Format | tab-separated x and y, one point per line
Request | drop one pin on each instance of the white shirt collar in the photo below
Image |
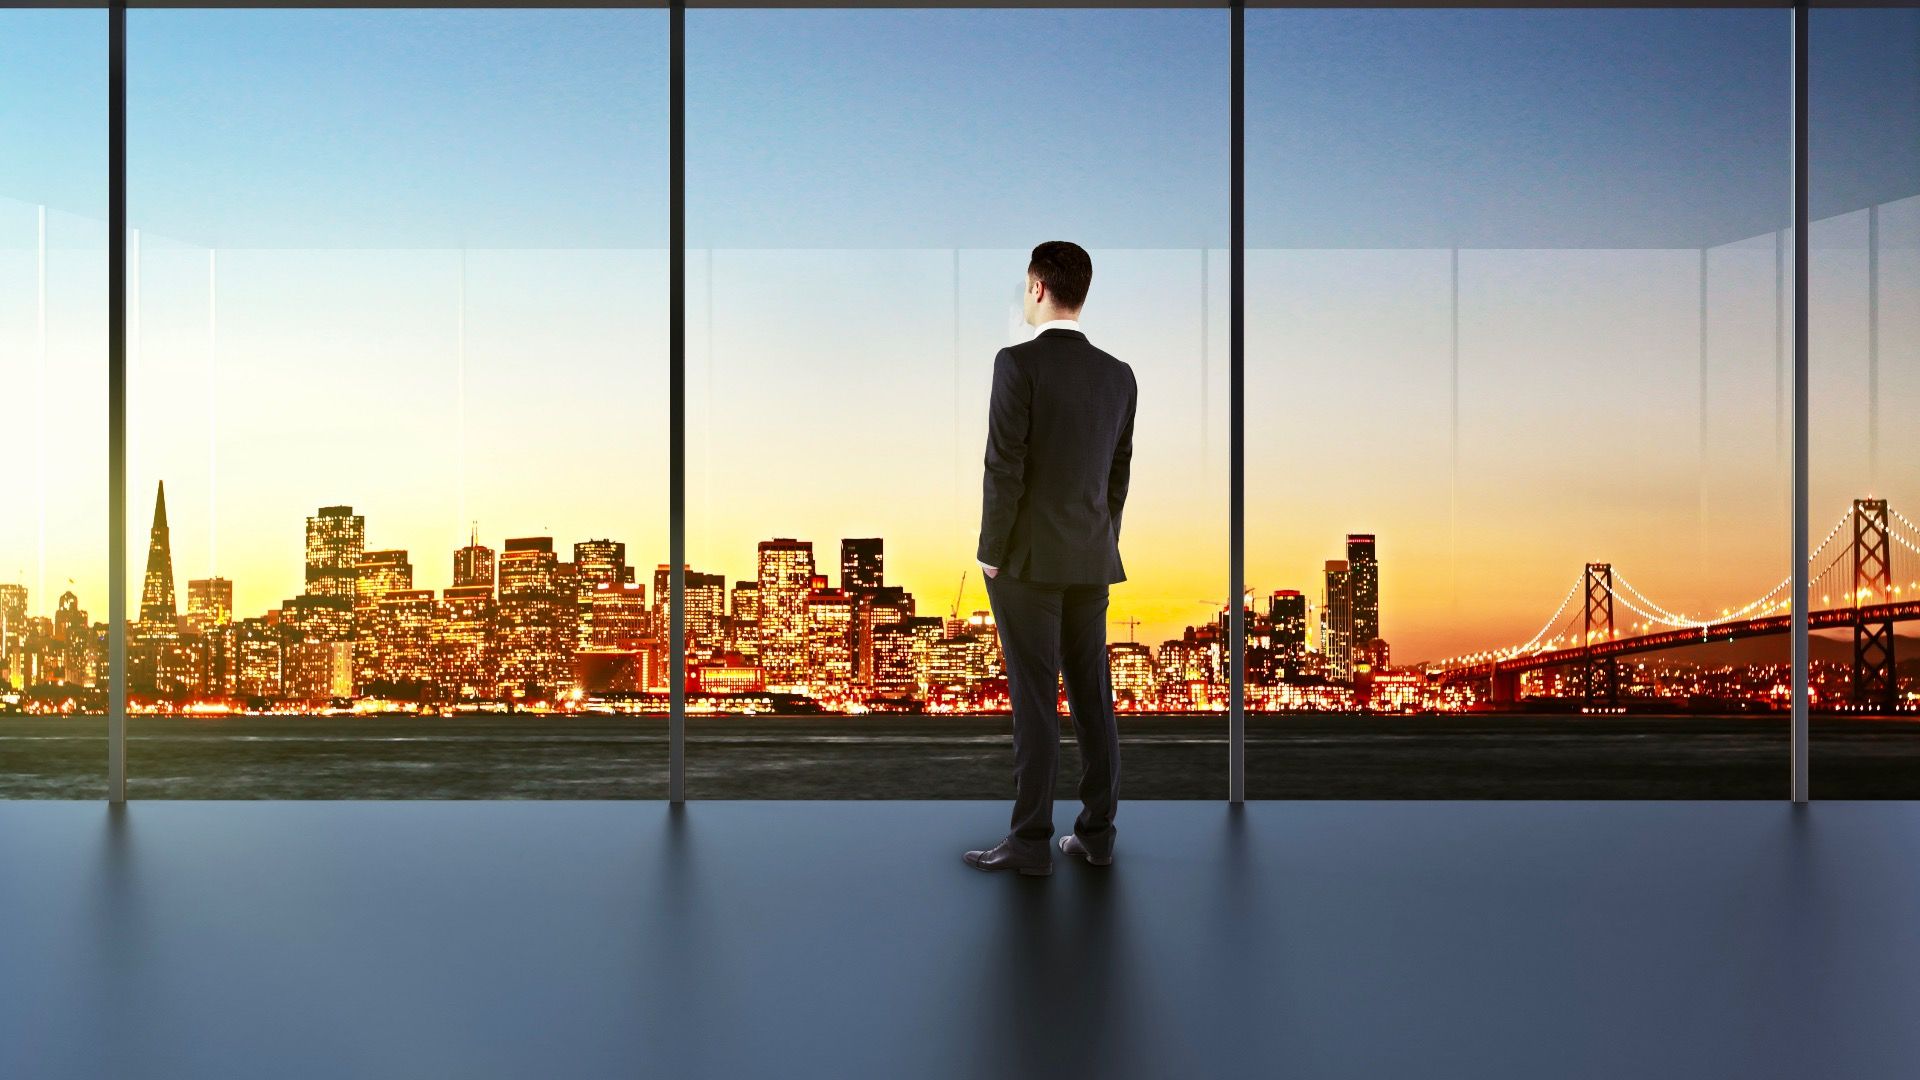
1057	324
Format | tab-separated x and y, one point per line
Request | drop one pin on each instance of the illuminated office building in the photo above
980	626
463	644
473	565
1130	670
377	574
706	607
257	659
13	637
829	638
157	606
210	618
743	624
1180	676
618	617
875	607
318	618
898	656
786	577
927	630
403	629
180	666
595	563
35	655
75	640
862	563
317	672
1287	615
956	662
903	656
13	607
566	584
535	648
336	537
1364	568
662	595
706	610
209	604
1336	621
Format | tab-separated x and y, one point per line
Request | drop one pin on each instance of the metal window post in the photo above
117	403
1237	428
1801	672
677	421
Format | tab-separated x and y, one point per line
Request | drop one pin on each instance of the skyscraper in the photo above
257	660
620	621
1336	621
1287	614
706	609
1130	671
875	607
378	575
463	640
1365	568
336	537
13	636
157	605
596	563
743	624
829	638
786	577
535	650
473	564
209	604
862	563
403	627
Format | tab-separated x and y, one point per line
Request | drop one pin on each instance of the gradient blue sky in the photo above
533	140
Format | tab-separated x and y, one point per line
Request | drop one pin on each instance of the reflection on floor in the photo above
848	940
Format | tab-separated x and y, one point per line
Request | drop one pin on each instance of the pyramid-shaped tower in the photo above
156	595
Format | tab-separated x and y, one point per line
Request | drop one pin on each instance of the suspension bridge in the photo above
1869	582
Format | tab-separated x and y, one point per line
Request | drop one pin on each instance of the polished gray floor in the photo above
1388	940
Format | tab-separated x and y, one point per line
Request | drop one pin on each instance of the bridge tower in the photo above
1600	676
1874	679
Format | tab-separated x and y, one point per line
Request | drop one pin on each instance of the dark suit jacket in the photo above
1059	444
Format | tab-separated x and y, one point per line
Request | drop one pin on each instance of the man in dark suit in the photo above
1059	444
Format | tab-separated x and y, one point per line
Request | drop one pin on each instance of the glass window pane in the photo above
53	379
864	190
1864	301
398	402
1515	403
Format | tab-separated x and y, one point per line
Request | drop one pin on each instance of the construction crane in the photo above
957	597
1131	624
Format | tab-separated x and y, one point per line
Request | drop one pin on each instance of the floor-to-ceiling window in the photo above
397	370
1864	349
1518	308
1517	487
864	188
53	403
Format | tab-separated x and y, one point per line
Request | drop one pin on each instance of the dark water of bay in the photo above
947	757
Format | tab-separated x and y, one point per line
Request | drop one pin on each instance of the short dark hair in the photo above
1065	269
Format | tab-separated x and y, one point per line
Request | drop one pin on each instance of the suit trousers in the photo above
1047	631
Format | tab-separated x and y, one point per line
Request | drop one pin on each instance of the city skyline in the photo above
584	633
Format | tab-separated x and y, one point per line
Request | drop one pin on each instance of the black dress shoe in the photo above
1072	845
1004	856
